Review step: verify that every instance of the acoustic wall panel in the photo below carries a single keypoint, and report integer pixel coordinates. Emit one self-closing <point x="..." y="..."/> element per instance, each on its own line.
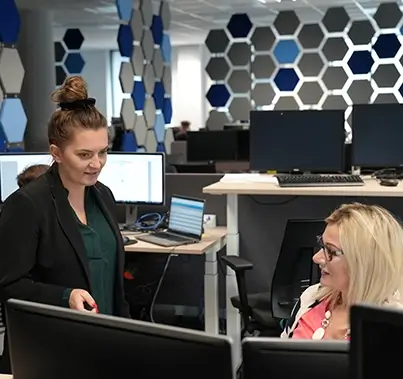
<point x="146" y="77"/>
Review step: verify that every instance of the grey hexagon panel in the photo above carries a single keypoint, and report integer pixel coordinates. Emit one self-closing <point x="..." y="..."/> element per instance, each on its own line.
<point x="311" y="64"/>
<point x="217" y="41"/>
<point x="126" y="77"/>
<point x="263" y="66"/>
<point x="240" y="81"/>
<point x="388" y="15"/>
<point x="239" y="53"/>
<point x="151" y="142"/>
<point x="149" y="112"/>
<point x="148" y="45"/>
<point x="137" y="25"/>
<point x="167" y="80"/>
<point x="137" y="61"/>
<point x="286" y="23"/>
<point x="335" y="49"/>
<point x="360" y="92"/>
<point x="263" y="38"/>
<point x="147" y="12"/>
<point x="158" y="64"/>
<point x="128" y="114"/>
<point x="263" y="94"/>
<point x="310" y="93"/>
<point x="218" y="68"/>
<point x="240" y="108"/>
<point x="311" y="36"/>
<point x="385" y="98"/>
<point x="286" y="103"/>
<point x="11" y="71"/>
<point x="386" y="76"/>
<point x="334" y="78"/>
<point x="140" y="130"/>
<point x="165" y="13"/>
<point x="334" y="102"/>
<point x="216" y="120"/>
<point x="361" y="32"/>
<point x="149" y="78"/>
<point x="335" y="19"/>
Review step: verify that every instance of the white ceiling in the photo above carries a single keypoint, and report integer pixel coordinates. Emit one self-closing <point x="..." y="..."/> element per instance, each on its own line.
<point x="191" y="19"/>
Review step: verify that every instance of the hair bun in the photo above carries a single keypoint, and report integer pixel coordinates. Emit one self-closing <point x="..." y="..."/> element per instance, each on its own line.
<point x="74" y="88"/>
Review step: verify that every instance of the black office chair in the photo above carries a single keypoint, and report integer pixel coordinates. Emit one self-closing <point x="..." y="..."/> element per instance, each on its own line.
<point x="262" y="312"/>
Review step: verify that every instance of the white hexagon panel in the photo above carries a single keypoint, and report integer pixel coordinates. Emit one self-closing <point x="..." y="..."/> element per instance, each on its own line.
<point x="126" y="77"/>
<point x="13" y="120"/>
<point x="151" y="142"/>
<point x="11" y="71"/>
<point x="169" y="138"/>
<point x="128" y="114"/>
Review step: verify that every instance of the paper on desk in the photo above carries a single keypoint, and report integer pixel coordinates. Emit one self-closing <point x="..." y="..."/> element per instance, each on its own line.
<point x="249" y="178"/>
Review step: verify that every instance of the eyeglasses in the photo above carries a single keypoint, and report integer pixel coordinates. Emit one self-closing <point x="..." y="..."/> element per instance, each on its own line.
<point x="329" y="253"/>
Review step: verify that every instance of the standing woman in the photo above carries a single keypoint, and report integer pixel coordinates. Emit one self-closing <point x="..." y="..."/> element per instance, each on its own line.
<point x="60" y="241"/>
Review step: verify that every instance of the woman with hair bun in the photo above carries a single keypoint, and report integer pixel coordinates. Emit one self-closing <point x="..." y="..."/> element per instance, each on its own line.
<point x="60" y="239"/>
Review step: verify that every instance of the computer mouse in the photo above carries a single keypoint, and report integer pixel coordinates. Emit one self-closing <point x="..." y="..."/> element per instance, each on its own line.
<point x="128" y="241"/>
<point x="389" y="182"/>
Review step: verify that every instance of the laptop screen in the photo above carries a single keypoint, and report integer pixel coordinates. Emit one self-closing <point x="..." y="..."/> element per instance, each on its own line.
<point x="186" y="216"/>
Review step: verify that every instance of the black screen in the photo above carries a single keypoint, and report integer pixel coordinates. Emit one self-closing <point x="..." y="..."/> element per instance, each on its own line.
<point x="297" y="140"/>
<point x="377" y="135"/>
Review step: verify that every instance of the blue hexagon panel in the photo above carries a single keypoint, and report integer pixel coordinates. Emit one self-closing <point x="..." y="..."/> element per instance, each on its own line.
<point x="125" y="41"/>
<point x="13" y="120"/>
<point x="124" y="9"/>
<point x="159" y="127"/>
<point x="73" y="39"/>
<point x="387" y="46"/>
<point x="166" y="48"/>
<point x="286" y="51"/>
<point x="159" y="95"/>
<point x="9" y="22"/>
<point x="218" y="95"/>
<point x="139" y="95"/>
<point x="167" y="110"/>
<point x="129" y="142"/>
<point x="3" y="141"/>
<point x="239" y="25"/>
<point x="74" y="63"/>
<point x="286" y="79"/>
<point x="361" y="62"/>
<point x="160" y="147"/>
<point x="157" y="29"/>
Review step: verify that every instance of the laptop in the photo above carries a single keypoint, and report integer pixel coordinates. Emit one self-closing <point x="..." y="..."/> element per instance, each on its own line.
<point x="185" y="224"/>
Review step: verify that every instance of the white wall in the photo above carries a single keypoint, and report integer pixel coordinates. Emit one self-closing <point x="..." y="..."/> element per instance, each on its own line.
<point x="189" y="83"/>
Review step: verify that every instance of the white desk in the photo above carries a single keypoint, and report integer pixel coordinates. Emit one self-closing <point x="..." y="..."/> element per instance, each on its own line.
<point x="213" y="241"/>
<point x="232" y="190"/>
<point x="2" y="376"/>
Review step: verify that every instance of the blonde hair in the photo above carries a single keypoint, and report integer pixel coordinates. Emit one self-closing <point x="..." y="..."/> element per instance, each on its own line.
<point x="372" y="242"/>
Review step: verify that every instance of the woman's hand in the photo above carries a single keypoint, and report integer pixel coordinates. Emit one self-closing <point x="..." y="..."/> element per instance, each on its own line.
<point x="78" y="300"/>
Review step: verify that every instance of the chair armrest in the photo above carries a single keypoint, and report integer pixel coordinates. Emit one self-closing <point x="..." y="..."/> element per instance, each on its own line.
<point x="237" y="263"/>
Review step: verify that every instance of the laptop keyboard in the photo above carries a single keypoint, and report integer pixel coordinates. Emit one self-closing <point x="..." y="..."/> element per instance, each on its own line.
<point x="171" y="237"/>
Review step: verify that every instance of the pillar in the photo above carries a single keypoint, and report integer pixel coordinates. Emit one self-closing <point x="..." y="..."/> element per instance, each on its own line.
<point x="36" y="49"/>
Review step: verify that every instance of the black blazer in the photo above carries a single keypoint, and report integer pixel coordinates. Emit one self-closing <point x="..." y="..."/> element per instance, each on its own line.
<point x="41" y="249"/>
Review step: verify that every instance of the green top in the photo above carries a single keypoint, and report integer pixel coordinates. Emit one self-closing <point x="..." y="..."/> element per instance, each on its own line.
<point x="100" y="245"/>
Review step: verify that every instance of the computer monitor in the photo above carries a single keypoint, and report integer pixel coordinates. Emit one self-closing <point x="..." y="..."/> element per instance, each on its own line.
<point x="302" y="141"/>
<point x="376" y="335"/>
<point x="377" y="135"/>
<point x="277" y="358"/>
<point x="12" y="164"/>
<point x="49" y="342"/>
<point x="135" y="178"/>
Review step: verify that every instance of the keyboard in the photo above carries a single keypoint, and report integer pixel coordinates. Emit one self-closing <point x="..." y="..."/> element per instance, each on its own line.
<point x="317" y="180"/>
<point x="165" y="239"/>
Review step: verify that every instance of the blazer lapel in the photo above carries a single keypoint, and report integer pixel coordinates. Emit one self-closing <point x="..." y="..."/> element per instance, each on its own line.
<point x="66" y="218"/>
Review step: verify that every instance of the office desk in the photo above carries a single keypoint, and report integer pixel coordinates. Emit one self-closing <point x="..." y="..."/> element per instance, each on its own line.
<point x="232" y="190"/>
<point x="2" y="376"/>
<point x="213" y="241"/>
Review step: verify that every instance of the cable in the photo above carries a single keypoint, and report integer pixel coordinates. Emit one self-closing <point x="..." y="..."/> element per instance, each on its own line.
<point x="164" y="271"/>
<point x="155" y="219"/>
<point x="278" y="203"/>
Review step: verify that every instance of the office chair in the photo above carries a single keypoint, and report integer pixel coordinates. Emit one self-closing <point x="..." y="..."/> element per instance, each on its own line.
<point x="262" y="312"/>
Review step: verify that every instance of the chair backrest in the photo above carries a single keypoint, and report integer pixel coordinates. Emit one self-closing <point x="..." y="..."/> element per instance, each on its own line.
<point x="295" y="270"/>
<point x="179" y="148"/>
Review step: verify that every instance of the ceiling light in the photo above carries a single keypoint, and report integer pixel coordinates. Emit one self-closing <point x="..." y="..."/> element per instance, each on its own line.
<point x="262" y="1"/>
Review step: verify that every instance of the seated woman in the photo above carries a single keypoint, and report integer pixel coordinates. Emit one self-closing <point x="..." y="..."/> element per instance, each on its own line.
<point x="361" y="261"/>
<point x="31" y="173"/>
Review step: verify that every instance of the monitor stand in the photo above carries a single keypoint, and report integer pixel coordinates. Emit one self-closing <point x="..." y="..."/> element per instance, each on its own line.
<point x="131" y="214"/>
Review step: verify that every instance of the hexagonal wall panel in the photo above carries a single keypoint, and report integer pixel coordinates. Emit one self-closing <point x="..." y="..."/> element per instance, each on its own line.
<point x="129" y="142"/>
<point x="159" y="127"/>
<point x="217" y="120"/>
<point x="137" y="61"/>
<point x="217" y="41"/>
<point x="360" y="92"/>
<point x="239" y="54"/>
<point x="217" y="68"/>
<point x="263" y="38"/>
<point x="310" y="36"/>
<point x="286" y="79"/>
<point x="388" y="15"/>
<point x="128" y="114"/>
<point x="239" y="25"/>
<point x="167" y="80"/>
<point x="240" y="108"/>
<point x="386" y="76"/>
<point x="13" y="120"/>
<point x="386" y="98"/>
<point x="263" y="66"/>
<point x="148" y="45"/>
<point x="73" y="39"/>
<point x="149" y="112"/>
<point x="151" y="142"/>
<point x="334" y="102"/>
<point x="335" y="19"/>
<point x="74" y="63"/>
<point x="60" y="74"/>
<point x="387" y="45"/>
<point x="218" y="95"/>
<point x="136" y="23"/>
<point x="125" y="40"/>
<point x="126" y="77"/>
<point x="166" y="48"/>
<point x="60" y="51"/>
<point x="361" y="32"/>
<point x="157" y="30"/>
<point x="361" y="62"/>
<point x="286" y="103"/>
<point x="262" y="94"/>
<point x="149" y="78"/>
<point x="165" y="13"/>
<point x="138" y="94"/>
<point x="310" y="64"/>
<point x="286" y="23"/>
<point x="169" y="138"/>
<point x="334" y="78"/>
<point x="11" y="71"/>
<point x="124" y="9"/>
<point x="335" y="49"/>
<point x="286" y="51"/>
<point x="167" y="110"/>
<point x="9" y="22"/>
<point x="159" y="95"/>
<point x="140" y="129"/>
<point x="240" y="81"/>
<point x="147" y="12"/>
<point x="158" y="64"/>
<point x="310" y="93"/>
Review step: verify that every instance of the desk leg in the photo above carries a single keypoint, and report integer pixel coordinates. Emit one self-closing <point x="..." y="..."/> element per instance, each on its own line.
<point x="233" y="318"/>
<point x="211" y="306"/>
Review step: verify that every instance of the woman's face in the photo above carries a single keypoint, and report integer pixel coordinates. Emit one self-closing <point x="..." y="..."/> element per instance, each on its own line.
<point x="83" y="156"/>
<point x="330" y="258"/>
